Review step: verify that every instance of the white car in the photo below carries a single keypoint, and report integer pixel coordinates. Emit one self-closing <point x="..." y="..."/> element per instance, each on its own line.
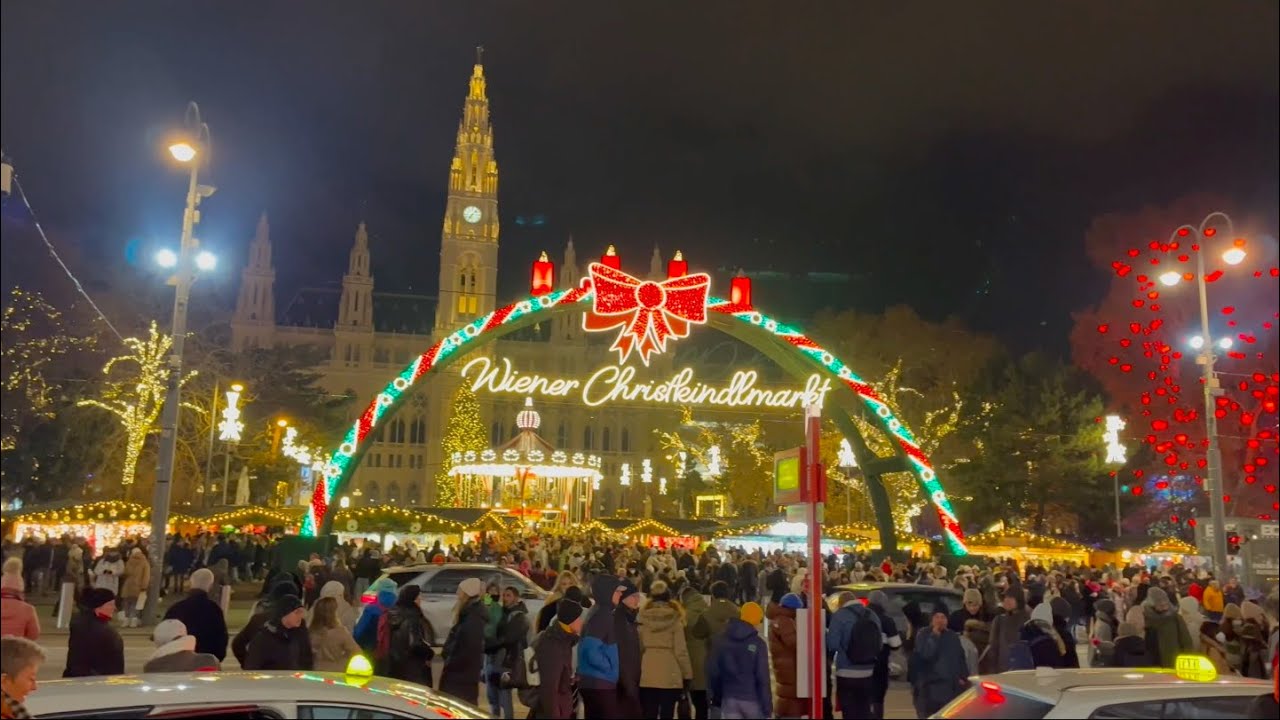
<point x="1107" y="694"/>
<point x="243" y="696"/>
<point x="439" y="585"/>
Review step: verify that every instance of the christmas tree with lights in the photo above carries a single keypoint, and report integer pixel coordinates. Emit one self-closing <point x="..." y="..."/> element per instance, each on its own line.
<point x="464" y="432"/>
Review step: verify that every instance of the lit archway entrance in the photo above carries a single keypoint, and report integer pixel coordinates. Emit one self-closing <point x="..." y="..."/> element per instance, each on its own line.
<point x="797" y="354"/>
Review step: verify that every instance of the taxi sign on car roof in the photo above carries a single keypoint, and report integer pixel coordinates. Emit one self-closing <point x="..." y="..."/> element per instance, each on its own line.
<point x="1195" y="667"/>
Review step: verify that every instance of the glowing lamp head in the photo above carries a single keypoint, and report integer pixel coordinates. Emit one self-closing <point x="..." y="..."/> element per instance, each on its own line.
<point x="1170" y="278"/>
<point x="206" y="260"/>
<point x="1196" y="342"/>
<point x="1234" y="256"/>
<point x="183" y="151"/>
<point x="166" y="258"/>
<point x="1225" y="343"/>
<point x="282" y="423"/>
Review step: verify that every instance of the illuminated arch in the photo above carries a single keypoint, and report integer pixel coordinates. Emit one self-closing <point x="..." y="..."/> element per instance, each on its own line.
<point x="783" y="344"/>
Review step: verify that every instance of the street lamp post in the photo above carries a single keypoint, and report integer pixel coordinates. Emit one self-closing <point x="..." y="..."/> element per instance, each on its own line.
<point x="1233" y="256"/>
<point x="189" y="259"/>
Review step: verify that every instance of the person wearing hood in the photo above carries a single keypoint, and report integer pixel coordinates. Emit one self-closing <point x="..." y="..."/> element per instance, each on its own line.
<point x="598" y="650"/>
<point x="507" y="649"/>
<point x="17" y="616"/>
<point x="332" y="646"/>
<point x="464" y="648"/>
<point x="697" y="636"/>
<point x="1131" y="647"/>
<point x="721" y="611"/>
<point x="665" y="666"/>
<point x="94" y="647"/>
<point x="366" y="630"/>
<point x="630" y="659"/>
<point x="176" y="651"/>
<point x="853" y="675"/>
<point x="408" y="652"/>
<point x="283" y="642"/>
<point x="553" y="661"/>
<point x="347" y="614"/>
<point x="783" y="649"/>
<point x="1189" y="611"/>
<point x="1103" y="634"/>
<point x="1167" y="635"/>
<point x="202" y="616"/>
<point x="1213" y="601"/>
<point x="878" y="603"/>
<point x="1062" y="614"/>
<point x="137" y="576"/>
<point x="262" y="614"/>
<point x="939" y="667"/>
<point x="1211" y="647"/>
<point x="1005" y="629"/>
<point x="738" y="680"/>
<point x="1045" y="645"/>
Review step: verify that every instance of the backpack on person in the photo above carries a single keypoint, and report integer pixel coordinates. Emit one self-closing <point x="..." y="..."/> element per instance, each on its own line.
<point x="862" y="647"/>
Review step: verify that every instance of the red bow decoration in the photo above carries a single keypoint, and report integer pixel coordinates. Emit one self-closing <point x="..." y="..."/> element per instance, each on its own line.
<point x="648" y="312"/>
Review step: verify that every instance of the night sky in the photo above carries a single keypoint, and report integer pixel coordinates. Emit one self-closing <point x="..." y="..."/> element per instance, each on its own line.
<point x="949" y="155"/>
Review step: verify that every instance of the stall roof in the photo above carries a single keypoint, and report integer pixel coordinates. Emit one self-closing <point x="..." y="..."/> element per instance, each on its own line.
<point x="78" y="510"/>
<point x="1024" y="538"/>
<point x="671" y="527"/>
<point x="249" y="514"/>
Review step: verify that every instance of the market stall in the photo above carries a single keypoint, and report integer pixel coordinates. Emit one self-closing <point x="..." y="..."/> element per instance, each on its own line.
<point x="247" y="519"/>
<point x="907" y="542"/>
<point x="101" y="524"/>
<point x="1162" y="553"/>
<point x="1026" y="547"/>
<point x="671" y="532"/>
<point x="776" y="534"/>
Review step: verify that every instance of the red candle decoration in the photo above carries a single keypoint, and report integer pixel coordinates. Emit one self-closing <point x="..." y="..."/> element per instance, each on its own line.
<point x="611" y="259"/>
<point x="677" y="266"/>
<point x="740" y="290"/>
<point x="544" y="276"/>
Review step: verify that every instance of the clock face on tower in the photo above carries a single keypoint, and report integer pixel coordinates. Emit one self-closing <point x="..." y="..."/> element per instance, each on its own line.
<point x="471" y="214"/>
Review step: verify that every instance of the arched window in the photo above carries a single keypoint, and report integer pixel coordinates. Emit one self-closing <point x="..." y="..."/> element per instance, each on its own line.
<point x="587" y="437"/>
<point x="626" y="440"/>
<point x="397" y="430"/>
<point x="393" y="493"/>
<point x="418" y="431"/>
<point x="604" y="439"/>
<point x="373" y="493"/>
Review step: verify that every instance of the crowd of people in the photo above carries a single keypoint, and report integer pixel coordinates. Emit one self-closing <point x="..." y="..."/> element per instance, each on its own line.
<point x="630" y="631"/>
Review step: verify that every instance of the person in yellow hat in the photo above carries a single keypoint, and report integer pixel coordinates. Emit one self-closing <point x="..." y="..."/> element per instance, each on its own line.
<point x="738" y="680"/>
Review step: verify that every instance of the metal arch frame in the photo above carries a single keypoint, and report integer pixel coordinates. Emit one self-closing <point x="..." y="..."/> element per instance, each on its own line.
<point x="795" y="353"/>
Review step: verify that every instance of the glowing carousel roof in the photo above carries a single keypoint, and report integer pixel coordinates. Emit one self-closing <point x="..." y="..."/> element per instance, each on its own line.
<point x="526" y="454"/>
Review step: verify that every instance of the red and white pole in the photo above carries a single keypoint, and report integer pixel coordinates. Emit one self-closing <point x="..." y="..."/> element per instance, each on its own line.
<point x="816" y="495"/>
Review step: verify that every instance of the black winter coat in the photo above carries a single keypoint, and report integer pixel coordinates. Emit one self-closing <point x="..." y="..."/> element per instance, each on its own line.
<point x="1071" y="658"/>
<point x="204" y="620"/>
<point x="553" y="656"/>
<point x="627" y="637"/>
<point x="464" y="654"/>
<point x="409" y="655"/>
<point x="240" y="643"/>
<point x="511" y="639"/>
<point x="1131" y="651"/>
<point x="276" y="647"/>
<point x="94" y="648"/>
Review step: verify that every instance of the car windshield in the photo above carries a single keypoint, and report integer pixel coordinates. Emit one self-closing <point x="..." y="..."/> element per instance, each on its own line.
<point x="987" y="701"/>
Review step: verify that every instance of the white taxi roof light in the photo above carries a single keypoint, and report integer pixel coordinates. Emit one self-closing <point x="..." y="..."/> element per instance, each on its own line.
<point x="359" y="666"/>
<point x="1195" y="667"/>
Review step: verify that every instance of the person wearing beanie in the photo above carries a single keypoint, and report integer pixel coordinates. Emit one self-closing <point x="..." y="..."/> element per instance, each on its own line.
<point x="1130" y="647"/>
<point x="853" y="675"/>
<point x="665" y="667"/>
<point x="408" y="652"/>
<point x="176" y="651"/>
<point x="1103" y="634"/>
<point x="1061" y="611"/>
<point x="1166" y="634"/>
<point x="94" y="647"/>
<point x="1005" y="629"/>
<point x="1039" y="644"/>
<point x="464" y="647"/>
<point x="263" y="613"/>
<point x="365" y="632"/>
<point x="553" y="661"/>
<point x="283" y="642"/>
<point x="202" y="616"/>
<point x="783" y="650"/>
<point x="630" y="654"/>
<point x="721" y="611"/>
<point x="697" y="635"/>
<point x="346" y="612"/>
<point x="598" y="651"/>
<point x="738" y="679"/>
<point x="17" y="616"/>
<point x="563" y="584"/>
<point x="972" y="609"/>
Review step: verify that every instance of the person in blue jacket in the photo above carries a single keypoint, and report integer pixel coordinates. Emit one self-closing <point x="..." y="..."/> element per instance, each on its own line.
<point x="598" y="650"/>
<point x="366" y="630"/>
<point x="738" y="680"/>
<point x="854" y="680"/>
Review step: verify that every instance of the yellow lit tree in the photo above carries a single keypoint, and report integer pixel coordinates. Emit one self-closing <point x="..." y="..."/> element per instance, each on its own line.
<point x="464" y="432"/>
<point x="746" y="462"/>
<point x="134" y="393"/>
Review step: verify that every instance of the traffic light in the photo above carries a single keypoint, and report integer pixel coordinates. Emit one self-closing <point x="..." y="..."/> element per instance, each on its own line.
<point x="1233" y="543"/>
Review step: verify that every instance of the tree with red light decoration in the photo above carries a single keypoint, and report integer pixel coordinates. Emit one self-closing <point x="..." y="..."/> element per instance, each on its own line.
<point x="1136" y="342"/>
